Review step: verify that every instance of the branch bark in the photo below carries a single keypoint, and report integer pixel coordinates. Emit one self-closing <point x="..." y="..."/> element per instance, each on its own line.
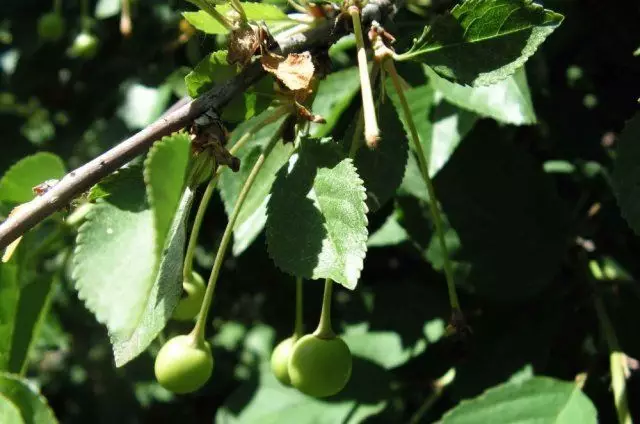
<point x="81" y="179"/>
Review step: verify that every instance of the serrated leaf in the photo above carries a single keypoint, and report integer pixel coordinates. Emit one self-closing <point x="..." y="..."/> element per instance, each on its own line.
<point x="539" y="399"/>
<point x="9" y="412"/>
<point x="253" y="214"/>
<point x="334" y="95"/>
<point x="382" y="169"/>
<point x="164" y="176"/>
<point x="32" y="405"/>
<point x="626" y="173"/>
<point x="316" y="216"/>
<point x="16" y="185"/>
<point x="122" y="234"/>
<point x="204" y="22"/>
<point x="115" y="255"/>
<point x="507" y="101"/>
<point x="506" y="213"/>
<point x="482" y="42"/>
<point x="165" y="292"/>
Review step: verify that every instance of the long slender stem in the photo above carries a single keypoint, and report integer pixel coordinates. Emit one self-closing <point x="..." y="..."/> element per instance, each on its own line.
<point x="371" y="130"/>
<point x="424" y="169"/>
<point x="325" y="329"/>
<point x="211" y="186"/>
<point x="125" y="18"/>
<point x="298" y="329"/>
<point x="199" y="329"/>
<point x="617" y="358"/>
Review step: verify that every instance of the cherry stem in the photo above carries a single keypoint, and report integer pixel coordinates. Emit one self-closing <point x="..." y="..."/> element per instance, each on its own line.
<point x="199" y="329"/>
<point x="424" y="169"/>
<point x="206" y="197"/>
<point x="298" y="329"/>
<point x="325" y="329"/>
<point x="57" y="6"/>
<point x="371" y="130"/>
<point x="617" y="358"/>
<point x="238" y="7"/>
<point x="211" y="10"/>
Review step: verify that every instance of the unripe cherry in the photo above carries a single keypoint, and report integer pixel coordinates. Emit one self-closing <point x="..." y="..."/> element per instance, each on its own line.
<point x="280" y="361"/>
<point x="184" y="365"/>
<point x="85" y="45"/>
<point x="51" y="26"/>
<point x="189" y="306"/>
<point x="320" y="367"/>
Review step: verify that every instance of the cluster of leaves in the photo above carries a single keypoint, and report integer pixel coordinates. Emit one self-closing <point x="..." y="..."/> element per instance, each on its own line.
<point x="317" y="213"/>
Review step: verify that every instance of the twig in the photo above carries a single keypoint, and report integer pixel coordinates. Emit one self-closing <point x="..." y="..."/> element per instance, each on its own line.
<point x="81" y="179"/>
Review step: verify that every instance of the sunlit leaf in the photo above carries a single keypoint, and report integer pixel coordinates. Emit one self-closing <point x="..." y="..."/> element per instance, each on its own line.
<point x="539" y="399"/>
<point x="32" y="405"/>
<point x="482" y="42"/>
<point x="16" y="185"/>
<point x="316" y="217"/>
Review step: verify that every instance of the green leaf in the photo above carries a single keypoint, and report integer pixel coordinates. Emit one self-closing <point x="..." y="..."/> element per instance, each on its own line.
<point x="9" y="412"/>
<point x="626" y="173"/>
<point x="506" y="213"/>
<point x="383" y="348"/>
<point x="143" y="104"/>
<point x="316" y="217"/>
<point x="334" y="95"/>
<point x="391" y="233"/>
<point x="164" y="176"/>
<point x="115" y="256"/>
<point x="382" y="168"/>
<point x="204" y="22"/>
<point x="33" y="407"/>
<point x="9" y="297"/>
<point x="482" y="42"/>
<point x="107" y="8"/>
<point x="507" y="101"/>
<point x="165" y="292"/>
<point x="32" y="309"/>
<point x="253" y="214"/>
<point x="539" y="399"/>
<point x="213" y="70"/>
<point x="16" y="185"/>
<point x="440" y="125"/>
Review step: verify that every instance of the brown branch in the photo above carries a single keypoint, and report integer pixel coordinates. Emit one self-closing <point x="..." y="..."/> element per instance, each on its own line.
<point x="81" y="179"/>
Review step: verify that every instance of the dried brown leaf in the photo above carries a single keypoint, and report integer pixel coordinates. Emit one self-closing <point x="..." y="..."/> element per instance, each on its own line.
<point x="243" y="44"/>
<point x="295" y="71"/>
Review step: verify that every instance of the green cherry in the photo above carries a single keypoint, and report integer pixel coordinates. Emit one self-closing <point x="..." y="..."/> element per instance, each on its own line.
<point x="85" y="45"/>
<point x="280" y="361"/>
<point x="183" y="365"/>
<point x="189" y="306"/>
<point x="320" y="367"/>
<point x="51" y="26"/>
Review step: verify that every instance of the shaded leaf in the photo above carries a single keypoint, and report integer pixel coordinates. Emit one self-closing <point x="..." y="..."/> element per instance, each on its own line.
<point x="316" y="217"/>
<point x="16" y="185"/>
<point x="538" y="399"/>
<point x="382" y="168"/>
<point x="506" y="213"/>
<point x="507" y="101"/>
<point x="253" y="214"/>
<point x="9" y="296"/>
<point x="32" y="405"/>
<point x="143" y="104"/>
<point x="626" y="173"/>
<point x="482" y="42"/>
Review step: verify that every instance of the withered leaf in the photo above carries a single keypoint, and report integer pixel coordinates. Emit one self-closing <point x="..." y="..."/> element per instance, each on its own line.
<point x="295" y="72"/>
<point x="243" y="44"/>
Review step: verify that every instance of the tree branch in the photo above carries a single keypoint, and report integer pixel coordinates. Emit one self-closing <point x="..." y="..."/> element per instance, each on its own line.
<point x="83" y="178"/>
